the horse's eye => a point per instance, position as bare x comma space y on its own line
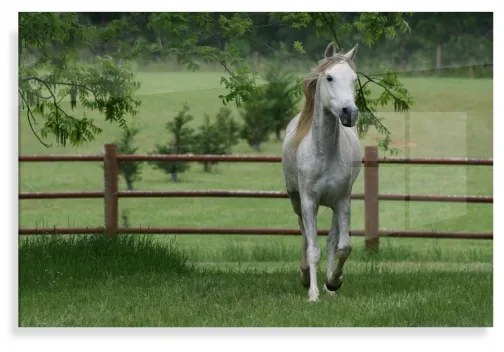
329, 78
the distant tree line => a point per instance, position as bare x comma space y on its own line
435, 41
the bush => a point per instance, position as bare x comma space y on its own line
272, 106
218, 137
257, 124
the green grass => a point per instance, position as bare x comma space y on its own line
248, 281
252, 280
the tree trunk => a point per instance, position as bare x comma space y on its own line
438, 59
125, 219
471, 68
206, 166
174, 176
129, 184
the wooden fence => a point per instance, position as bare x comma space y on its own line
371, 196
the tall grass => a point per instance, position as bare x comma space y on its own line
45, 260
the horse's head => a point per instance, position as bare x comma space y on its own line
336, 83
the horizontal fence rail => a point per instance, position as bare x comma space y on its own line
371, 196
436, 161
59, 195
245, 194
53, 158
244, 158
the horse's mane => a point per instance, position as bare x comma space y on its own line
310, 87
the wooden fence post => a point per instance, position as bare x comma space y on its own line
371, 213
111, 171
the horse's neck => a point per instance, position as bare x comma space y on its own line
325, 131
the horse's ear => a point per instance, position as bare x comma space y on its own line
352, 53
330, 50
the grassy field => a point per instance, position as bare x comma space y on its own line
252, 281
248, 281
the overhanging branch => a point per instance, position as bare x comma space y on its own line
379, 84
29, 115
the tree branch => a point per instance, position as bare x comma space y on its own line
368, 109
330, 26
378, 83
224, 64
29, 115
261, 43
45, 82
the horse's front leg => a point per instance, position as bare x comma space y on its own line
309, 216
341, 223
332, 284
304, 268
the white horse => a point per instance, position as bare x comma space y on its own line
321, 159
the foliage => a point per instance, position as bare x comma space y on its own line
272, 105
392, 91
50, 73
281, 96
257, 124
130, 170
182, 142
217, 137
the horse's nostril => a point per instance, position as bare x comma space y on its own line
345, 111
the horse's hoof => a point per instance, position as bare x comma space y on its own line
329, 292
333, 287
305, 278
313, 295
343, 252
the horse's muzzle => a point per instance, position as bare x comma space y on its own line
348, 116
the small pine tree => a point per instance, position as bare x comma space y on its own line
218, 137
130, 170
182, 142
257, 124
282, 96
229, 131
205, 141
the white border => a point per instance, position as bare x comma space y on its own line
222, 339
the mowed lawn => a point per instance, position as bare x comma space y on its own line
253, 280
